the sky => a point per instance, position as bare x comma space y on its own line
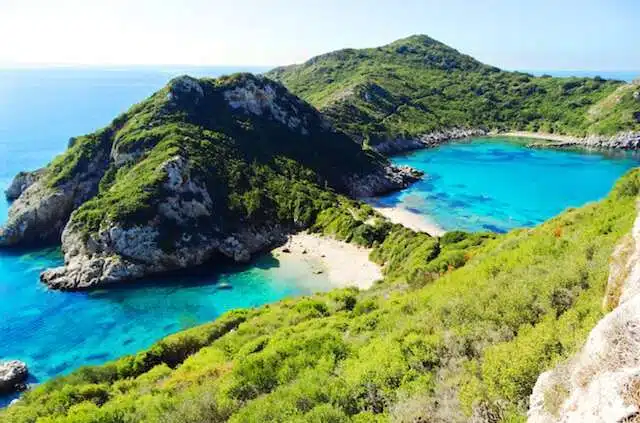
512, 34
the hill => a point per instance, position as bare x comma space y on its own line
417, 86
203, 168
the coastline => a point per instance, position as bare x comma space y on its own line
408, 219
539, 136
344, 264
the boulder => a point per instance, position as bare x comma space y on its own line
13, 375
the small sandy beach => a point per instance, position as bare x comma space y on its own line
539, 136
344, 264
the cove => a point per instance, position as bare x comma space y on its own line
498, 183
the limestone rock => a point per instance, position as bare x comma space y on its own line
21, 182
431, 139
392, 178
601, 384
13, 375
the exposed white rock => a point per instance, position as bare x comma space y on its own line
430, 139
391, 178
263, 99
629, 140
603, 381
116, 253
21, 182
13, 375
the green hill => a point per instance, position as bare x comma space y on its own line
417, 85
203, 168
429, 343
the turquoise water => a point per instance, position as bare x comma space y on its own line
497, 184
484, 185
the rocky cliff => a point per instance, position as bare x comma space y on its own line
601, 384
203, 168
430, 139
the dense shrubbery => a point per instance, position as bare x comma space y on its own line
418, 85
472, 341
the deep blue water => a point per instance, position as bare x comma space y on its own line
498, 184
483, 185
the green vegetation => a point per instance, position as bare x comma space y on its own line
431, 341
254, 168
417, 85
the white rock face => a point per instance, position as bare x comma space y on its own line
260, 100
116, 253
603, 380
430, 139
21, 182
13, 374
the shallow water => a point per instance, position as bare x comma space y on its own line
485, 185
497, 184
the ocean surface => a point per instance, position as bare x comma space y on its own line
497, 184
484, 185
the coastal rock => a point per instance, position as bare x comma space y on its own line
13, 375
601, 384
21, 182
431, 139
629, 140
117, 253
391, 178
37, 216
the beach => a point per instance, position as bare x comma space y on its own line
344, 264
539, 136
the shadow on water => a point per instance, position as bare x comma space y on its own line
209, 273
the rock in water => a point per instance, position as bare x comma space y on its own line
13, 375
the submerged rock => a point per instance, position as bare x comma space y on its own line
13, 375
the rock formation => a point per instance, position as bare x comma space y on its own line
601, 384
13, 375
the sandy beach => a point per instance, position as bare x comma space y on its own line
409, 219
539, 136
344, 264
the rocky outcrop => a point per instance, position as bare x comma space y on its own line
118, 253
431, 139
21, 182
391, 178
622, 141
602, 383
13, 375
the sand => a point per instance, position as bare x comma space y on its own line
539, 136
344, 264
409, 219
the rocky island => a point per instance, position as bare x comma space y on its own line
202, 168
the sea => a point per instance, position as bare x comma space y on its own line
485, 184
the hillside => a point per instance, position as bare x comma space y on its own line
417, 85
201, 169
430, 343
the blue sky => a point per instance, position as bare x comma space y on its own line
512, 34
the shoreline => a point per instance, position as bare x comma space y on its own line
345, 265
408, 219
538, 136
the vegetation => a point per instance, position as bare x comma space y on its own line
418, 85
255, 168
431, 342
